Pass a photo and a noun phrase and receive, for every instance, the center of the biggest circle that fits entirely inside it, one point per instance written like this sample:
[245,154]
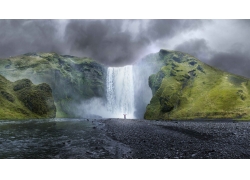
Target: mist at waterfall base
[127,92]
[119,96]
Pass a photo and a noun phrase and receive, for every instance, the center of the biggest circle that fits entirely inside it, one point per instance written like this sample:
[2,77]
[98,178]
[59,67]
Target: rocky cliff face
[186,88]
[178,86]
[72,79]
[22,100]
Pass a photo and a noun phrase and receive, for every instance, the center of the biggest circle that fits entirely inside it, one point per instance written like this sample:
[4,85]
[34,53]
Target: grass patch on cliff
[191,89]
[17,102]
[69,77]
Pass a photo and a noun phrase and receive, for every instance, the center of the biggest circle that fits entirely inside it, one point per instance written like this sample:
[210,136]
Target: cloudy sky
[221,43]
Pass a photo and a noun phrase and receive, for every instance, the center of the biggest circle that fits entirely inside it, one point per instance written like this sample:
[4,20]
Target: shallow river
[57,138]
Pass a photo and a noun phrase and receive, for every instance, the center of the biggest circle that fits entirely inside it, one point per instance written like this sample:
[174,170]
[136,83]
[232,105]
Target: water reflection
[57,138]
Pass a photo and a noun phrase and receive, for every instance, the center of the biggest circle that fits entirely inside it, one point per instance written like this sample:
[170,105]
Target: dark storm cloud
[224,45]
[236,57]
[22,36]
[236,62]
[196,47]
[121,42]
[159,29]
[104,41]
[112,42]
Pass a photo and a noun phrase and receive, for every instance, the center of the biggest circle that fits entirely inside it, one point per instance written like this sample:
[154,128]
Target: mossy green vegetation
[72,79]
[24,100]
[186,88]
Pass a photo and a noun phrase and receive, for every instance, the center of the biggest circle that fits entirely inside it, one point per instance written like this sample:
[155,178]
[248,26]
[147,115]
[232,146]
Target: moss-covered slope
[72,79]
[22,100]
[186,88]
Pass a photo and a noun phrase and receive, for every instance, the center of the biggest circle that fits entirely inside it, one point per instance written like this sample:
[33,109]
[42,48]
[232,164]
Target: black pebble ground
[182,139]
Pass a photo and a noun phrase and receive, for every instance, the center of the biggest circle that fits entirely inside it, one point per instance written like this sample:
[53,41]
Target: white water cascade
[120,92]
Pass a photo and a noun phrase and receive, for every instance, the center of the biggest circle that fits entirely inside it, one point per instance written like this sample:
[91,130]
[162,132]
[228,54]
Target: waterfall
[120,91]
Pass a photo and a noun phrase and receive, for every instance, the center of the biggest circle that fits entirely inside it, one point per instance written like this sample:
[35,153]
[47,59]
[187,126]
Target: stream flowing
[57,138]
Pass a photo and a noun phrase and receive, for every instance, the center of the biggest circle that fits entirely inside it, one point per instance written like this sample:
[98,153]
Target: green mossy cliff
[23,100]
[186,88]
[72,79]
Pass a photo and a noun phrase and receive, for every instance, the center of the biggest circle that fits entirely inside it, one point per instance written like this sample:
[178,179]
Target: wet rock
[87,152]
[193,155]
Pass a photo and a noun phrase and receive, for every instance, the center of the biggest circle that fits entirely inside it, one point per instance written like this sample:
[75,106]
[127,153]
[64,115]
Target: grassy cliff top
[47,59]
[72,79]
[186,88]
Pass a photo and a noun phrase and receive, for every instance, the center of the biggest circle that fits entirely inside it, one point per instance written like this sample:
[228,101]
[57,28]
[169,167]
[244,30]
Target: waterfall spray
[120,91]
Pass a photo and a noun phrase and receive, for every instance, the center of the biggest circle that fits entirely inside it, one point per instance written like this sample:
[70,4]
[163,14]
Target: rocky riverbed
[182,139]
[119,139]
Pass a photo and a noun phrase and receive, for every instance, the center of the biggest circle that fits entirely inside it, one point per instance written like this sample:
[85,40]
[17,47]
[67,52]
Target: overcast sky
[221,43]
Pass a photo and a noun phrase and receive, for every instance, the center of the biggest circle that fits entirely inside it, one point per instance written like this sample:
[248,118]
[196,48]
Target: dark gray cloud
[163,28]
[104,41]
[196,47]
[236,62]
[112,42]
[221,43]
[22,36]
[233,56]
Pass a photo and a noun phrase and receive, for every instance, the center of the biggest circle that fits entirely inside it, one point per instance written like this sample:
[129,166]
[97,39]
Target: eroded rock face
[72,79]
[186,88]
[22,99]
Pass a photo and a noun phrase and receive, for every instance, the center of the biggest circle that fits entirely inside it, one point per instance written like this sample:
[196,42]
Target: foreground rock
[182,139]
[23,100]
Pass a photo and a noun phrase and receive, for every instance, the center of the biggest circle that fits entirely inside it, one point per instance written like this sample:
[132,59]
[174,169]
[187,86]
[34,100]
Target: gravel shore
[181,139]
